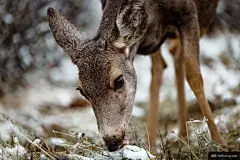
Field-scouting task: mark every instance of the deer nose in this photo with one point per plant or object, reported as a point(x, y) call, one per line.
point(113, 143)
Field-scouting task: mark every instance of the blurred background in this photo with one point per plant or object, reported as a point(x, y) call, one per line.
point(38, 81)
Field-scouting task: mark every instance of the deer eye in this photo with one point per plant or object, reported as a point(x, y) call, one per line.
point(118, 82)
point(81, 91)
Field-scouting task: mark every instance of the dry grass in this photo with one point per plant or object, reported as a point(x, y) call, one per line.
point(73, 145)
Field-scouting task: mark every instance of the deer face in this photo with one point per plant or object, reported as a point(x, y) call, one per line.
point(106, 74)
point(108, 81)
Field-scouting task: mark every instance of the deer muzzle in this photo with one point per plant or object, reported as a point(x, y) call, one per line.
point(113, 143)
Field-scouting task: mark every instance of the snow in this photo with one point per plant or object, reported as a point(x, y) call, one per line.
point(229, 119)
point(17, 151)
point(56, 141)
point(77, 157)
point(137, 111)
point(8, 18)
point(173, 135)
point(67, 69)
point(42, 27)
point(30, 103)
point(127, 152)
point(134, 152)
point(43, 157)
point(36, 141)
point(4, 134)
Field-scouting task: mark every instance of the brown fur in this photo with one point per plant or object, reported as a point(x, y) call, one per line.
point(130, 27)
point(158, 66)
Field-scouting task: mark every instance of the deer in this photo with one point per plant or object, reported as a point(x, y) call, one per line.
point(107, 78)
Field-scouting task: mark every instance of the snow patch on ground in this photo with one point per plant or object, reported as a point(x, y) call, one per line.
point(7, 152)
point(16, 151)
point(56, 141)
point(228, 119)
point(127, 152)
point(28, 107)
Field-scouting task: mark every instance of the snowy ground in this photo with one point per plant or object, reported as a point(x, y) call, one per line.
point(44, 107)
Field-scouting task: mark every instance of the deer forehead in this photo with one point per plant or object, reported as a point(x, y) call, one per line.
point(93, 68)
point(93, 77)
point(97, 72)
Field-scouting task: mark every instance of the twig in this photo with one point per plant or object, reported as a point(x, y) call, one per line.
point(63, 133)
point(149, 145)
point(37, 146)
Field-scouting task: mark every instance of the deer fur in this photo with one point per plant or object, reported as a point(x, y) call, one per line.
point(127, 28)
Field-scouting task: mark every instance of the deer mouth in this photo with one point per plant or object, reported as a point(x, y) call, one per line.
point(113, 143)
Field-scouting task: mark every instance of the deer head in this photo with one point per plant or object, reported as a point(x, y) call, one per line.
point(106, 74)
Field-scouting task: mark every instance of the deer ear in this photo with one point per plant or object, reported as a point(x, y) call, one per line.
point(65, 33)
point(131, 23)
